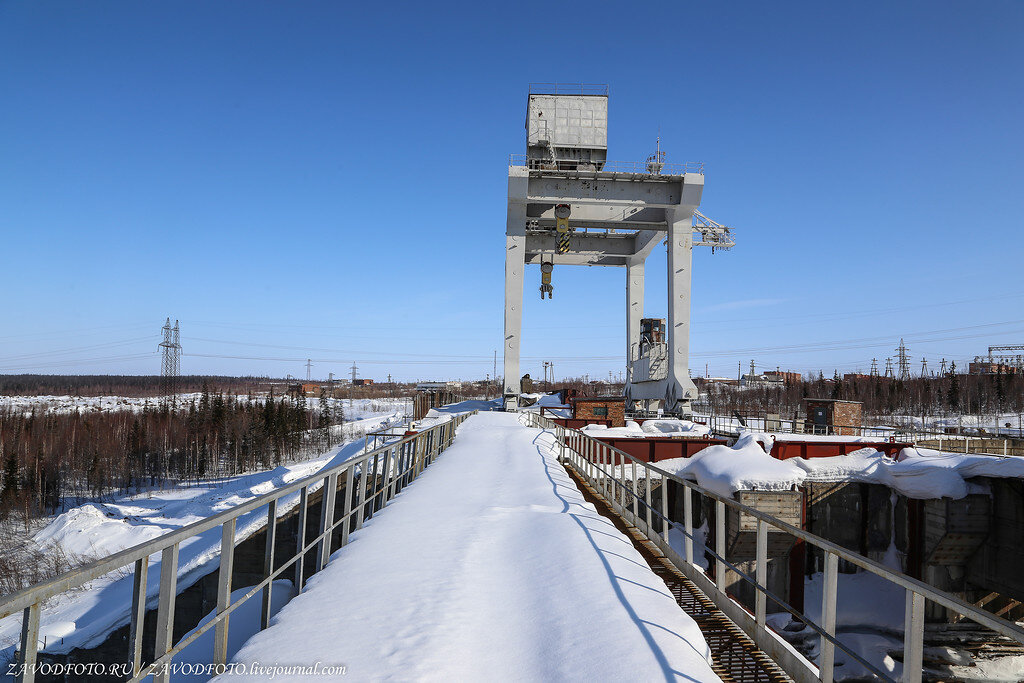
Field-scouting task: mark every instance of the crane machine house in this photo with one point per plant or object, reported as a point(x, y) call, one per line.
point(569, 206)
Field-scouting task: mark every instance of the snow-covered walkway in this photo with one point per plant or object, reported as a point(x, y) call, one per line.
point(491, 566)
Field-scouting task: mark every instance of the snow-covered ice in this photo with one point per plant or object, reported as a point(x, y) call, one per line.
point(491, 566)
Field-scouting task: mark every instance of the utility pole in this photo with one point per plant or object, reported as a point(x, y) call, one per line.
point(170, 366)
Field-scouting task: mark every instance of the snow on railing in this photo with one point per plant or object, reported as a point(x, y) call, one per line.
point(376, 477)
point(617, 476)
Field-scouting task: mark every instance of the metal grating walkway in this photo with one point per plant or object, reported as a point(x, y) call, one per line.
point(735, 656)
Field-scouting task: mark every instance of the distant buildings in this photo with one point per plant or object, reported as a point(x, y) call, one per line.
point(772, 378)
point(437, 386)
point(992, 368)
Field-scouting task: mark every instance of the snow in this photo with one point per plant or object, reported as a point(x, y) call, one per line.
point(355, 409)
point(743, 466)
point(550, 401)
point(243, 623)
point(827, 438)
point(649, 428)
point(917, 473)
point(491, 566)
point(83, 617)
point(674, 427)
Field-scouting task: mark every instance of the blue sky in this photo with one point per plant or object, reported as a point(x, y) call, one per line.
point(317, 179)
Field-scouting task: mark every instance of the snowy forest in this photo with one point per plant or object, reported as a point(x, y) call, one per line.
point(51, 460)
point(950, 394)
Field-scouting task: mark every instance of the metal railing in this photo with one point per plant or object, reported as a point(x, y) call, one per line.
point(614, 474)
point(648, 362)
point(729, 425)
point(371, 480)
point(568, 89)
point(635, 167)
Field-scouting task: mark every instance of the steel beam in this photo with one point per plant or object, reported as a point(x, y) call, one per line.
point(634, 310)
point(680, 389)
point(515, 265)
point(587, 244)
point(613, 194)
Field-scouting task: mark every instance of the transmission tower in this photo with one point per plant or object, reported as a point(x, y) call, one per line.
point(888, 368)
point(309, 367)
point(924, 366)
point(874, 367)
point(903, 361)
point(354, 368)
point(170, 366)
point(942, 368)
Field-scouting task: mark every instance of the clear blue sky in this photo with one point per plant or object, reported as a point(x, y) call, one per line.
point(327, 180)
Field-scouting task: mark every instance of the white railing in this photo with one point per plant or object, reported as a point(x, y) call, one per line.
point(371, 480)
point(617, 476)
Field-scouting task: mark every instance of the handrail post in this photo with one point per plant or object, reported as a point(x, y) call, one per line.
point(300, 539)
point(622, 488)
point(687, 523)
point(227, 561)
point(165, 609)
point(268, 561)
point(665, 523)
point(720, 544)
point(828, 616)
point(913, 637)
point(346, 508)
point(633, 489)
point(761, 572)
point(647, 501)
point(358, 491)
point(29, 642)
point(323, 548)
point(136, 628)
point(385, 485)
point(417, 455)
point(605, 456)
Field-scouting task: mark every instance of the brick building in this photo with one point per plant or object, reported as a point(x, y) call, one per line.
point(611, 408)
point(833, 416)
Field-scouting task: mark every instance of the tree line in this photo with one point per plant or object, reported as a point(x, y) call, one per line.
point(949, 394)
point(119, 385)
point(50, 461)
